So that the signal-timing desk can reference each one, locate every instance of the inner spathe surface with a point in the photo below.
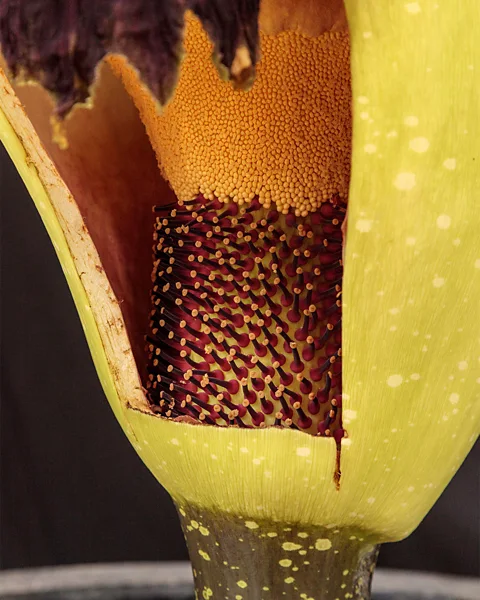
(111, 171)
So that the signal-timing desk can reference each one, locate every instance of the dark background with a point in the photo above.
(71, 487)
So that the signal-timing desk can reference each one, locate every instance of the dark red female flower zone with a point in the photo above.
(246, 319)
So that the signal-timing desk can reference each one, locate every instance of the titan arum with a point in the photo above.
(299, 363)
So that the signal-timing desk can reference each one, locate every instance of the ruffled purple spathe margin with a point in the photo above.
(60, 43)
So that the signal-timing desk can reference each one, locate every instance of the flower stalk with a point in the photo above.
(240, 558)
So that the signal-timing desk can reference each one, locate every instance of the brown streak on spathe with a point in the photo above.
(337, 473)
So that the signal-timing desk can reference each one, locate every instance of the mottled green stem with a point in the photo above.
(236, 558)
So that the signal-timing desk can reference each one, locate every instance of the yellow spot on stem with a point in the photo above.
(285, 562)
(323, 544)
(290, 546)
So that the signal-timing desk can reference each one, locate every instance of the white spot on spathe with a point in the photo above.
(456, 242)
(175, 442)
(349, 415)
(392, 134)
(463, 365)
(364, 225)
(371, 500)
(438, 282)
(454, 398)
(244, 450)
(364, 115)
(394, 311)
(370, 148)
(405, 181)
(411, 121)
(450, 164)
(419, 144)
(476, 264)
(443, 221)
(303, 451)
(394, 381)
(411, 488)
(367, 34)
(413, 8)
(411, 241)
(363, 100)
(415, 376)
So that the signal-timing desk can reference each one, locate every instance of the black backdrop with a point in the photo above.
(71, 487)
